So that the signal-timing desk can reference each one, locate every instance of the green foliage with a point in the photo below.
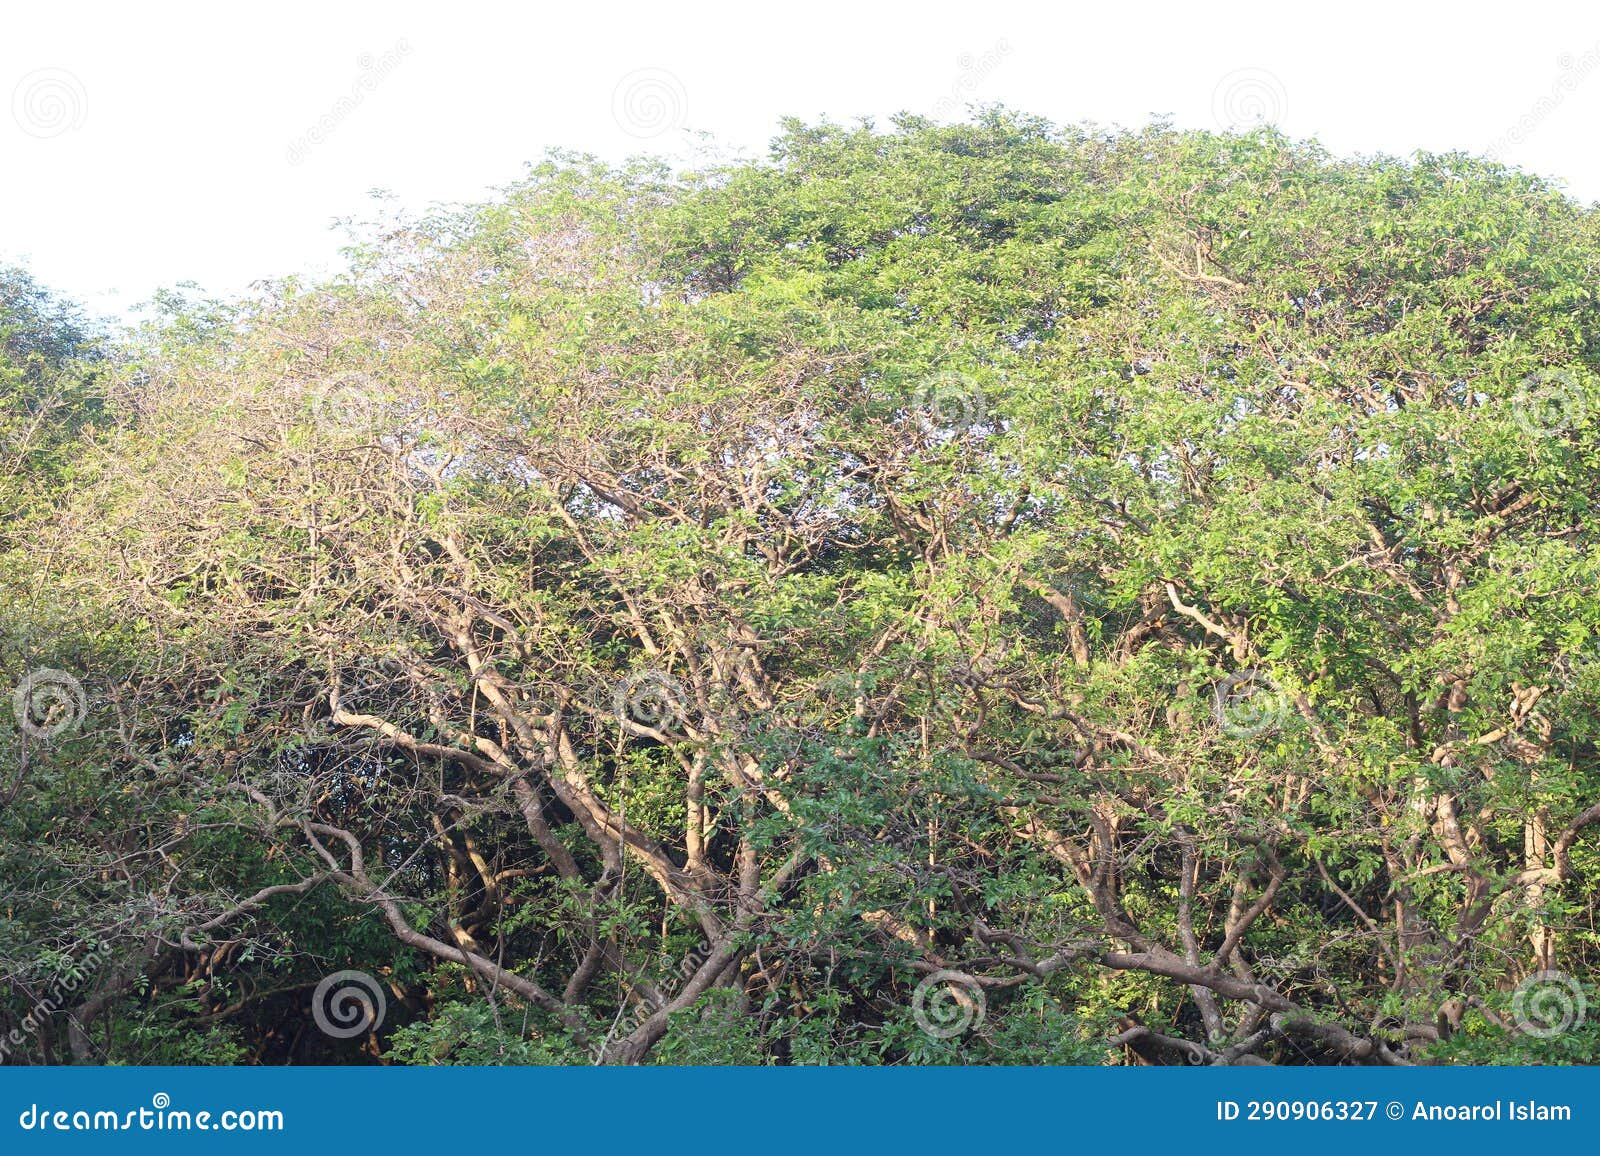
(713, 1030)
(666, 617)
(472, 1034)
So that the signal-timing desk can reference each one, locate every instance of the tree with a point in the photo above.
(991, 593)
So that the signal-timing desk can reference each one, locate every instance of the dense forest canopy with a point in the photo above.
(997, 593)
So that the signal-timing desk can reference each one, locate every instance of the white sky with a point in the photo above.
(141, 146)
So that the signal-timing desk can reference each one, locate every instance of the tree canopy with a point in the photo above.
(993, 593)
